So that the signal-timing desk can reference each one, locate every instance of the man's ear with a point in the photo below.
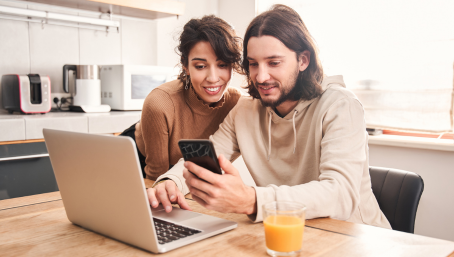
(304, 59)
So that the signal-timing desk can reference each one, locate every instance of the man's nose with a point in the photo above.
(262, 75)
(213, 75)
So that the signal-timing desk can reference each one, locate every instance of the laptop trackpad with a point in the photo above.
(176, 215)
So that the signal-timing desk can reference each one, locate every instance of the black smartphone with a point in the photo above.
(200, 152)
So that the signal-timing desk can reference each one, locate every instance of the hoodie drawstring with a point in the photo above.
(269, 137)
(269, 134)
(294, 131)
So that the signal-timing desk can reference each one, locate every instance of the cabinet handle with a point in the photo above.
(24, 157)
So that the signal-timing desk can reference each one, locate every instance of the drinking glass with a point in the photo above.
(284, 227)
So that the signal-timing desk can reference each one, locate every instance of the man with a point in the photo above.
(302, 136)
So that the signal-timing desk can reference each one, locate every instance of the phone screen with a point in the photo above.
(200, 152)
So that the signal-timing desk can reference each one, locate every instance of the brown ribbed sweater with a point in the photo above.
(171, 113)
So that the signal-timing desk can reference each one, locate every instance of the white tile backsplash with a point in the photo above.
(14, 49)
(99, 47)
(138, 42)
(52, 47)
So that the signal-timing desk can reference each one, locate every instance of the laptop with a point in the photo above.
(102, 189)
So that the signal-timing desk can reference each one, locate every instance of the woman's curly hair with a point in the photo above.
(221, 36)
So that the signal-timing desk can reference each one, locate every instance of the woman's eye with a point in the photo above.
(199, 67)
(223, 65)
(251, 64)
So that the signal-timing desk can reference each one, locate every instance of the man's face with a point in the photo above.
(274, 69)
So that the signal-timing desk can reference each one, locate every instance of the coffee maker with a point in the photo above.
(87, 95)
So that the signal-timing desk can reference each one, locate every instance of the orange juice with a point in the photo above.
(284, 233)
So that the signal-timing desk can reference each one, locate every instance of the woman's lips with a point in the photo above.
(212, 90)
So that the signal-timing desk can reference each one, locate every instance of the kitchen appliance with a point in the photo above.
(87, 95)
(26, 93)
(125, 87)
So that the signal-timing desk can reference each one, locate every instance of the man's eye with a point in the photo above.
(274, 63)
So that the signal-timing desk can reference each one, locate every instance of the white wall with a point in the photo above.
(436, 209)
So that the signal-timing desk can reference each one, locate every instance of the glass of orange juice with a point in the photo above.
(284, 227)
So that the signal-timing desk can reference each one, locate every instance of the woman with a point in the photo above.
(193, 106)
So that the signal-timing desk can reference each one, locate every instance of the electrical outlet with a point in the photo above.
(59, 96)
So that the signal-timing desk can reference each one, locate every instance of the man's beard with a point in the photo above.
(288, 91)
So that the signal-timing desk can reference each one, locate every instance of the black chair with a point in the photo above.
(398, 193)
(130, 132)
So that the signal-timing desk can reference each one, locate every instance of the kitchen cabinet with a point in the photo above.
(25, 169)
(145, 9)
(26, 127)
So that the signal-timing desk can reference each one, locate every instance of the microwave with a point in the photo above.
(125, 87)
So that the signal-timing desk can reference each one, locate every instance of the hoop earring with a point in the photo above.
(187, 82)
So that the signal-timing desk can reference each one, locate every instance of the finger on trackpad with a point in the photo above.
(159, 208)
(176, 215)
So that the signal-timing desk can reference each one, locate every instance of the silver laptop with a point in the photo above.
(102, 189)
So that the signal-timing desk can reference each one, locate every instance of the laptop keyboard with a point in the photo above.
(169, 232)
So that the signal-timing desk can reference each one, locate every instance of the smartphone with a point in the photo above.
(200, 152)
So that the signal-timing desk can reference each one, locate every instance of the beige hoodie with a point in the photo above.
(317, 155)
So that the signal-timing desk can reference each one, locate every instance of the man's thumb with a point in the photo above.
(227, 166)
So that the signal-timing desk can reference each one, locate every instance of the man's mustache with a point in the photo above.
(266, 84)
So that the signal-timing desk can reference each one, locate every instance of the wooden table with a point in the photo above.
(37, 226)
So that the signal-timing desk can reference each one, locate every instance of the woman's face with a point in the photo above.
(209, 76)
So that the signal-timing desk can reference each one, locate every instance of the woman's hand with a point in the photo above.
(166, 193)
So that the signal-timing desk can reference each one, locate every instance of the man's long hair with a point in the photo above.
(285, 24)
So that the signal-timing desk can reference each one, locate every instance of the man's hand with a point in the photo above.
(222, 193)
(166, 193)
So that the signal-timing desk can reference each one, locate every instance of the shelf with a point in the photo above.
(144, 9)
(413, 142)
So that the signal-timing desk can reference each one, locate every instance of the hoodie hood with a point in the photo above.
(327, 82)
(332, 80)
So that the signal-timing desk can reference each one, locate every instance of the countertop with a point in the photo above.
(15, 127)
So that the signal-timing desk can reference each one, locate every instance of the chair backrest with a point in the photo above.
(398, 193)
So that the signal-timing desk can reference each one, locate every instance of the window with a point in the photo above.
(396, 55)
